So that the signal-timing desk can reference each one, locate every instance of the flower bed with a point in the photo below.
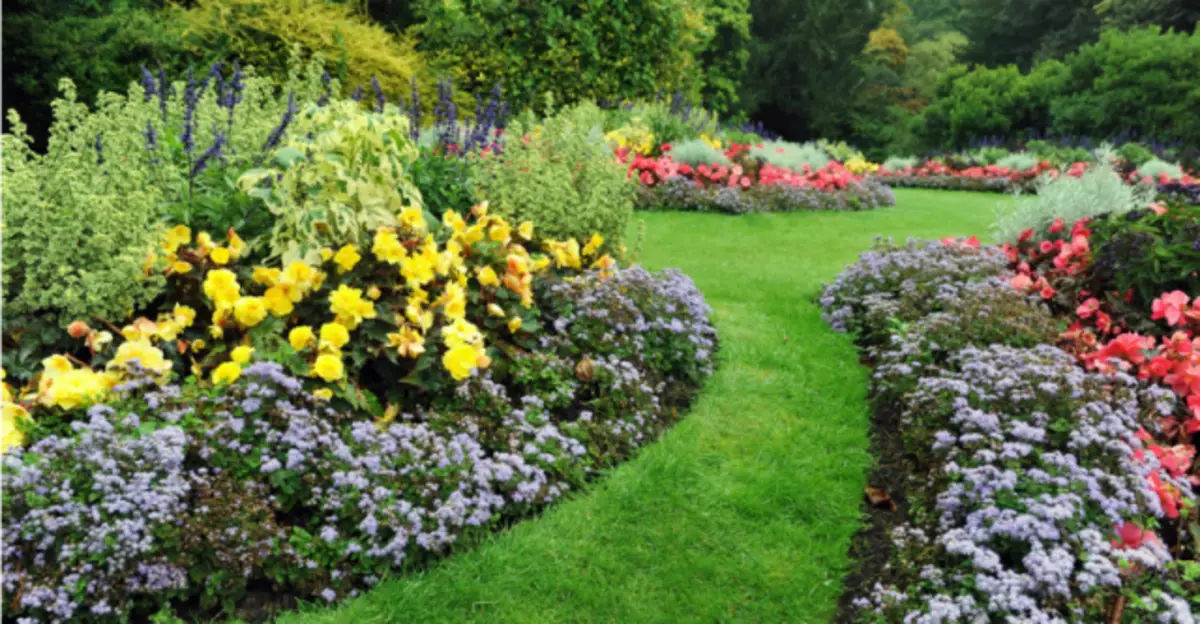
(993, 178)
(746, 185)
(1035, 487)
(323, 384)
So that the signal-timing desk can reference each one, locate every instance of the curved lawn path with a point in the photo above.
(744, 510)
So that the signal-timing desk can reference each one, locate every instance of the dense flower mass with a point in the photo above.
(277, 482)
(1037, 490)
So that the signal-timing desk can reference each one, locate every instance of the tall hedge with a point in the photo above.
(572, 49)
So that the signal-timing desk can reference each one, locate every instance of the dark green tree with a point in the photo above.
(1022, 32)
(803, 68)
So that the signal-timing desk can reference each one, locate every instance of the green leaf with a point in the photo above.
(288, 156)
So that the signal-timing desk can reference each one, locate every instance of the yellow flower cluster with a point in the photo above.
(713, 142)
(634, 136)
(12, 414)
(859, 165)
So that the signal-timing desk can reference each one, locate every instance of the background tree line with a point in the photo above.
(887, 75)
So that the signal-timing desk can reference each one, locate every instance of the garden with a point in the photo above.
(320, 311)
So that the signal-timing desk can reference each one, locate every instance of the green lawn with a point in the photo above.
(744, 511)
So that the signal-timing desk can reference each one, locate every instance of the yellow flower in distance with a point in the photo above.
(487, 277)
(220, 255)
(221, 286)
(460, 361)
(408, 342)
(348, 305)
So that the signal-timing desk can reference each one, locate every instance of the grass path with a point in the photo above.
(742, 512)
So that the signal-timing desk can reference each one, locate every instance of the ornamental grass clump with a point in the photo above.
(903, 283)
(791, 156)
(1098, 190)
(1031, 497)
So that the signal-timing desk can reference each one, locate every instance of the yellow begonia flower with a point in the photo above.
(346, 258)
(334, 335)
(452, 220)
(460, 361)
(487, 277)
(500, 232)
(221, 286)
(184, 315)
(220, 255)
(56, 365)
(250, 311)
(418, 268)
(11, 416)
(199, 344)
(216, 332)
(348, 305)
(472, 235)
(387, 246)
(326, 253)
(236, 245)
(227, 372)
(496, 310)
(265, 276)
(408, 342)
(301, 337)
(374, 293)
(177, 236)
(74, 388)
(413, 218)
(514, 324)
(150, 357)
(323, 393)
(205, 242)
(277, 301)
(593, 245)
(241, 354)
(526, 230)
(455, 301)
(328, 367)
(180, 267)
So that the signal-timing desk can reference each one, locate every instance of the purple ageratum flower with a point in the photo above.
(148, 84)
(357, 94)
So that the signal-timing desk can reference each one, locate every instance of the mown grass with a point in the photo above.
(742, 512)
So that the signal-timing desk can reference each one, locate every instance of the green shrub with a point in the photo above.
(900, 163)
(666, 126)
(840, 151)
(791, 156)
(1156, 168)
(443, 181)
(982, 102)
(1020, 161)
(724, 56)
(80, 219)
(1135, 154)
(1098, 191)
(264, 32)
(1145, 81)
(560, 176)
(573, 50)
(989, 155)
(101, 46)
(698, 152)
(342, 174)
(1058, 155)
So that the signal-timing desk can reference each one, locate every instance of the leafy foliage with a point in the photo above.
(561, 176)
(1099, 190)
(342, 173)
(571, 50)
(264, 34)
